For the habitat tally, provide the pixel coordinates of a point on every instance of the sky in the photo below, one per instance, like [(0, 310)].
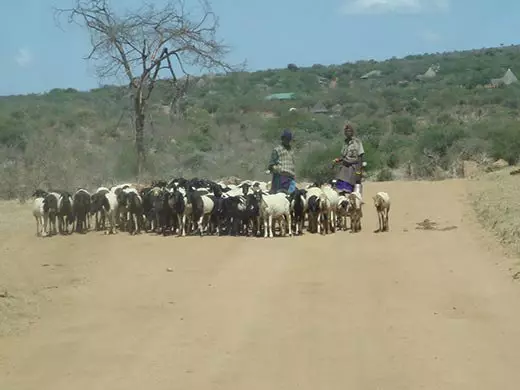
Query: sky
[(38, 56)]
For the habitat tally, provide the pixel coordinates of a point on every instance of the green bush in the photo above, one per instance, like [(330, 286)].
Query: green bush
[(403, 125), (222, 129), (505, 142), (317, 165)]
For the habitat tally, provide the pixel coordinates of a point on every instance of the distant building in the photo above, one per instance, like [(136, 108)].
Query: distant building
[(507, 79), (281, 96), (319, 108), (373, 73), (430, 73)]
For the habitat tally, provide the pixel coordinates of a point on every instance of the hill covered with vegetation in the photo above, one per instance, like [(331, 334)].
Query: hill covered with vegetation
[(419, 117)]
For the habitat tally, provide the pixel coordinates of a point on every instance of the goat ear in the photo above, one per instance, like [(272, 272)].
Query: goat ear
[(362, 202)]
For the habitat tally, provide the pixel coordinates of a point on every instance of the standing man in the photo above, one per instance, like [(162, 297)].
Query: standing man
[(351, 161), (282, 166)]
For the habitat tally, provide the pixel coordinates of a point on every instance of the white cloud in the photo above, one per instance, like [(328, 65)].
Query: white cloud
[(23, 57), (394, 6)]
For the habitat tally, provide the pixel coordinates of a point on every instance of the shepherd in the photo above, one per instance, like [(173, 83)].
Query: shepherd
[(351, 161), (282, 166)]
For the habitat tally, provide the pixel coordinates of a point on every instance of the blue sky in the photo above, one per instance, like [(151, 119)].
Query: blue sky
[(38, 56)]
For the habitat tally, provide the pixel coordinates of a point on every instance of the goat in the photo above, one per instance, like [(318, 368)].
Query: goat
[(316, 200), (81, 208), (298, 209), (134, 207), (38, 212), (177, 203), (382, 205), (343, 211), (356, 202), (51, 203), (96, 207), (330, 207), (275, 207), (65, 212), (110, 210)]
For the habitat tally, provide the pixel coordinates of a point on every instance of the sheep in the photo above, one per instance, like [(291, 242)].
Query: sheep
[(38, 212), (356, 203), (81, 208), (51, 204), (238, 207), (162, 213), (106, 204), (123, 214), (234, 213), (130, 209), (134, 204), (177, 203), (298, 209), (252, 214), (274, 206), (343, 211), (197, 208), (316, 199), (382, 205), (155, 207), (65, 212), (330, 207), (96, 207), (208, 205), (187, 217), (110, 210)]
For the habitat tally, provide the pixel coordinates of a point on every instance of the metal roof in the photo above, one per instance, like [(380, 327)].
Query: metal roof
[(281, 96)]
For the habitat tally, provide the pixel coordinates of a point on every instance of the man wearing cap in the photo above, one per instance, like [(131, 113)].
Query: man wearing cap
[(282, 166), (351, 161)]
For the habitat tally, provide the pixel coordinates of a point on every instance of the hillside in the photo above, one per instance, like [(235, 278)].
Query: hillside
[(412, 127)]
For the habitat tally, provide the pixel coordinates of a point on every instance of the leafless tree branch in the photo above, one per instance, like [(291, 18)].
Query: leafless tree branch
[(140, 44)]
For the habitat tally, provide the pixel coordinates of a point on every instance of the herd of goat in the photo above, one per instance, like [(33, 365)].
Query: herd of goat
[(200, 206)]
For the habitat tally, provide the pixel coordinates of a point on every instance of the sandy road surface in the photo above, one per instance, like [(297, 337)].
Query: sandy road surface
[(410, 309)]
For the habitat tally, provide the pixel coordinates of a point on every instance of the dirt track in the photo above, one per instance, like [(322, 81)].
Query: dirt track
[(411, 309)]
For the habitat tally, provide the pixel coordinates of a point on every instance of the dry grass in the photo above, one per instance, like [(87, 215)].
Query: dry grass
[(496, 200)]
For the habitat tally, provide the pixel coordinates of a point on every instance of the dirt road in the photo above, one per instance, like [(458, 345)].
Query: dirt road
[(411, 309)]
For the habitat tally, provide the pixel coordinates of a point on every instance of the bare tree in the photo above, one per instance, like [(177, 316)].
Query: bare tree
[(140, 44)]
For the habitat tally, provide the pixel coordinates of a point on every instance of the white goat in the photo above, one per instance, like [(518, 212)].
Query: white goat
[(382, 205), (39, 214), (110, 209), (275, 207), (343, 211), (330, 207), (356, 203)]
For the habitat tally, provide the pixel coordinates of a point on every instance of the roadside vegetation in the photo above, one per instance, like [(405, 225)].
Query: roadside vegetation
[(412, 127)]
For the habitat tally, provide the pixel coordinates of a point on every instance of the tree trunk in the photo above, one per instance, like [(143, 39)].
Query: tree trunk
[(139, 133)]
